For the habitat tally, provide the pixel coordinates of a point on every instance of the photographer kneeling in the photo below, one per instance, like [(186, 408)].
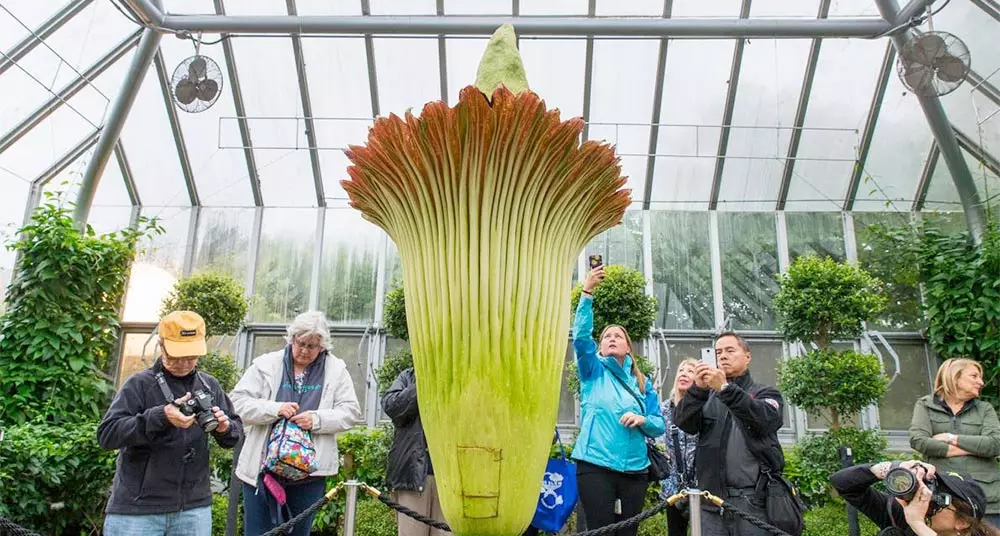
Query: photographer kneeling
[(921, 501)]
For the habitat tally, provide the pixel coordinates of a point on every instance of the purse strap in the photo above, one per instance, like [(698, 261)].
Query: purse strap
[(561, 447), (642, 405)]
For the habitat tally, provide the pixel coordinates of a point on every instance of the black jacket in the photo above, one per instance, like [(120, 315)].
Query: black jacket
[(854, 484), (758, 409), (409, 461), (160, 468)]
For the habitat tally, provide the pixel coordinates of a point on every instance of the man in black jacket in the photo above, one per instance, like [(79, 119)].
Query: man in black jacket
[(409, 473), (737, 422), (161, 485)]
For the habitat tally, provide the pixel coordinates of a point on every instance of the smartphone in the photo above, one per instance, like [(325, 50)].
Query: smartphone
[(596, 261), (708, 357)]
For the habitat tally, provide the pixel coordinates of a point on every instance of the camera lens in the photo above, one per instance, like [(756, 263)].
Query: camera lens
[(208, 421), (901, 483)]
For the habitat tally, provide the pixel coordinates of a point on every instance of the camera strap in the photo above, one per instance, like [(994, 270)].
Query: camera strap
[(168, 395)]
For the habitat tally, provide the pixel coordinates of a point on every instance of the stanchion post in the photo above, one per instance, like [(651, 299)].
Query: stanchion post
[(847, 460), (351, 508), (694, 508), (235, 487)]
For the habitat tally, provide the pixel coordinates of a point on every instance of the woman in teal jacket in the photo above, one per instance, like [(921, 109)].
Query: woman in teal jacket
[(619, 410)]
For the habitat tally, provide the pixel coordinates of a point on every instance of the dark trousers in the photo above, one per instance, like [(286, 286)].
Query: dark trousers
[(728, 524), (677, 522), (261, 513), (600, 487)]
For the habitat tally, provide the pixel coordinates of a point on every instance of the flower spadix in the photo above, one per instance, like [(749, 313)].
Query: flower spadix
[(489, 203)]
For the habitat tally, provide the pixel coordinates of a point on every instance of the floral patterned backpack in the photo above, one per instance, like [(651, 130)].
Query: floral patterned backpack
[(290, 451)]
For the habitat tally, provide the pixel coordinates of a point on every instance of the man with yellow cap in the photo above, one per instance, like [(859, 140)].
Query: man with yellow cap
[(160, 422)]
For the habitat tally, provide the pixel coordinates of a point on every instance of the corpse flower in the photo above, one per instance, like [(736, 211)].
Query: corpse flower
[(489, 203)]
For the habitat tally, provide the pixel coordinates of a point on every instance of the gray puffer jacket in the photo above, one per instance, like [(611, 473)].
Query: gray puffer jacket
[(409, 462)]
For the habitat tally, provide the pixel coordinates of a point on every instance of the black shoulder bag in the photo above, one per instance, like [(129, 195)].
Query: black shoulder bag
[(659, 465)]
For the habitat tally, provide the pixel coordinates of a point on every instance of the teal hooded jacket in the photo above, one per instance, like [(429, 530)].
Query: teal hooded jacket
[(604, 441)]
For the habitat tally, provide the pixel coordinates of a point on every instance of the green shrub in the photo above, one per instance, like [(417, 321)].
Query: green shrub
[(843, 382), (364, 453), (60, 326), (573, 378), (831, 520), (621, 299), (392, 365), (394, 315), (56, 478), (222, 367), (219, 299), (374, 519), (813, 459), (220, 508)]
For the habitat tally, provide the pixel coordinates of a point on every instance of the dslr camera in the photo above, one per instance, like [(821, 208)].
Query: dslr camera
[(200, 405), (902, 483)]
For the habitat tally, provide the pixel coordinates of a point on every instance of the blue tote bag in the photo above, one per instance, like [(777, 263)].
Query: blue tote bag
[(558, 495)]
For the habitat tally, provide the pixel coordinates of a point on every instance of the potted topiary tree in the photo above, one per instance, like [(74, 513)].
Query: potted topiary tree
[(821, 301)]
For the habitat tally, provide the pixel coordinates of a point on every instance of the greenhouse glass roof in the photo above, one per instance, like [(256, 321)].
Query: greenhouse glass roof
[(757, 124)]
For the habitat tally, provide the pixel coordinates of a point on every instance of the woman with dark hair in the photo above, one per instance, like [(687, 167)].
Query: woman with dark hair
[(619, 410), (956, 508)]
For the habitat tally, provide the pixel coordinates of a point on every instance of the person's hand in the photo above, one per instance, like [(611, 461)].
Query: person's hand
[(956, 451), (594, 278), (916, 510), (174, 415), (304, 420), (707, 376), (223, 420), (288, 410), (944, 436), (632, 420), (923, 471)]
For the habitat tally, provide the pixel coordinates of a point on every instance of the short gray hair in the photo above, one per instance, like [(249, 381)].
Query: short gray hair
[(307, 324)]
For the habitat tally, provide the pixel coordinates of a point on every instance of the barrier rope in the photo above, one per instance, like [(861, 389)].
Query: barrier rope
[(9, 528), (286, 527), (728, 507)]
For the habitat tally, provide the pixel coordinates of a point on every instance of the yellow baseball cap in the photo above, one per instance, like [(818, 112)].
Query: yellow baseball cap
[(183, 334)]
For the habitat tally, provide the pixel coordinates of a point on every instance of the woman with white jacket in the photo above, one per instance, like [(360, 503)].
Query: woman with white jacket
[(307, 385)]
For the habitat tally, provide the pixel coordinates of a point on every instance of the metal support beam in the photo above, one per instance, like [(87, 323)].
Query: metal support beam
[(175, 129), (991, 7), (127, 176), (980, 154), (654, 131), (442, 57), (531, 26), (64, 161), (866, 136), (588, 77), (727, 114), (67, 92), (115, 120), (370, 58), (914, 8), (307, 112), (984, 86), (149, 11), (241, 112), (191, 244), (945, 136), (920, 197), (47, 28), (800, 112), (317, 265)]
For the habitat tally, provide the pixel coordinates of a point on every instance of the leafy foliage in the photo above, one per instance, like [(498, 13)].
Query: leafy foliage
[(60, 325), (573, 378), (392, 365), (220, 509), (844, 382), (961, 290), (621, 299), (831, 520), (822, 300), (219, 299), (394, 315), (222, 367), (813, 459), (364, 453), (55, 477)]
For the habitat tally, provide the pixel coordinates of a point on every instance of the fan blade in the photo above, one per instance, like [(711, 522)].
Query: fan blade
[(198, 68), (924, 50), (186, 91), (208, 89), (950, 68), (919, 79)]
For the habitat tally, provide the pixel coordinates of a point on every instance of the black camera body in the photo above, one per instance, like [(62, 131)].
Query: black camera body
[(200, 405), (902, 483)]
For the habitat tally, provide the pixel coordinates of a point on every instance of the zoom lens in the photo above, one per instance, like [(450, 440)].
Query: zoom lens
[(901, 483)]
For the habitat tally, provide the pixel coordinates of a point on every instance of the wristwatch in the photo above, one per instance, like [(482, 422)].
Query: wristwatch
[(725, 385), (952, 439)]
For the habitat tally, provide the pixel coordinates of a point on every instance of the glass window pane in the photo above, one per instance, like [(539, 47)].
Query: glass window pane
[(476, 7), (682, 270), (403, 7), (825, 159), (347, 279), (17, 17), (284, 265), (815, 233), (635, 8), (913, 382), (977, 30), (137, 355), (158, 265), (688, 137), (11, 213), (679, 350), (621, 244), (748, 244), (555, 69), (408, 74), (903, 312), (463, 55), (553, 7), (223, 241), (770, 81)]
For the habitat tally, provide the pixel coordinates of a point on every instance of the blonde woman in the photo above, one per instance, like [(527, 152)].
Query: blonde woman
[(680, 447), (958, 433)]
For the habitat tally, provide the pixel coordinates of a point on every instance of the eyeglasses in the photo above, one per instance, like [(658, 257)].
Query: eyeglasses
[(311, 347)]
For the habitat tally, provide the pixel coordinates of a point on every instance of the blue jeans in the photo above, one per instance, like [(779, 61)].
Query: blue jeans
[(260, 509), (194, 522)]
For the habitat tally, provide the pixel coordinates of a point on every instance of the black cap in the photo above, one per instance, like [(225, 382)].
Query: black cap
[(965, 489)]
